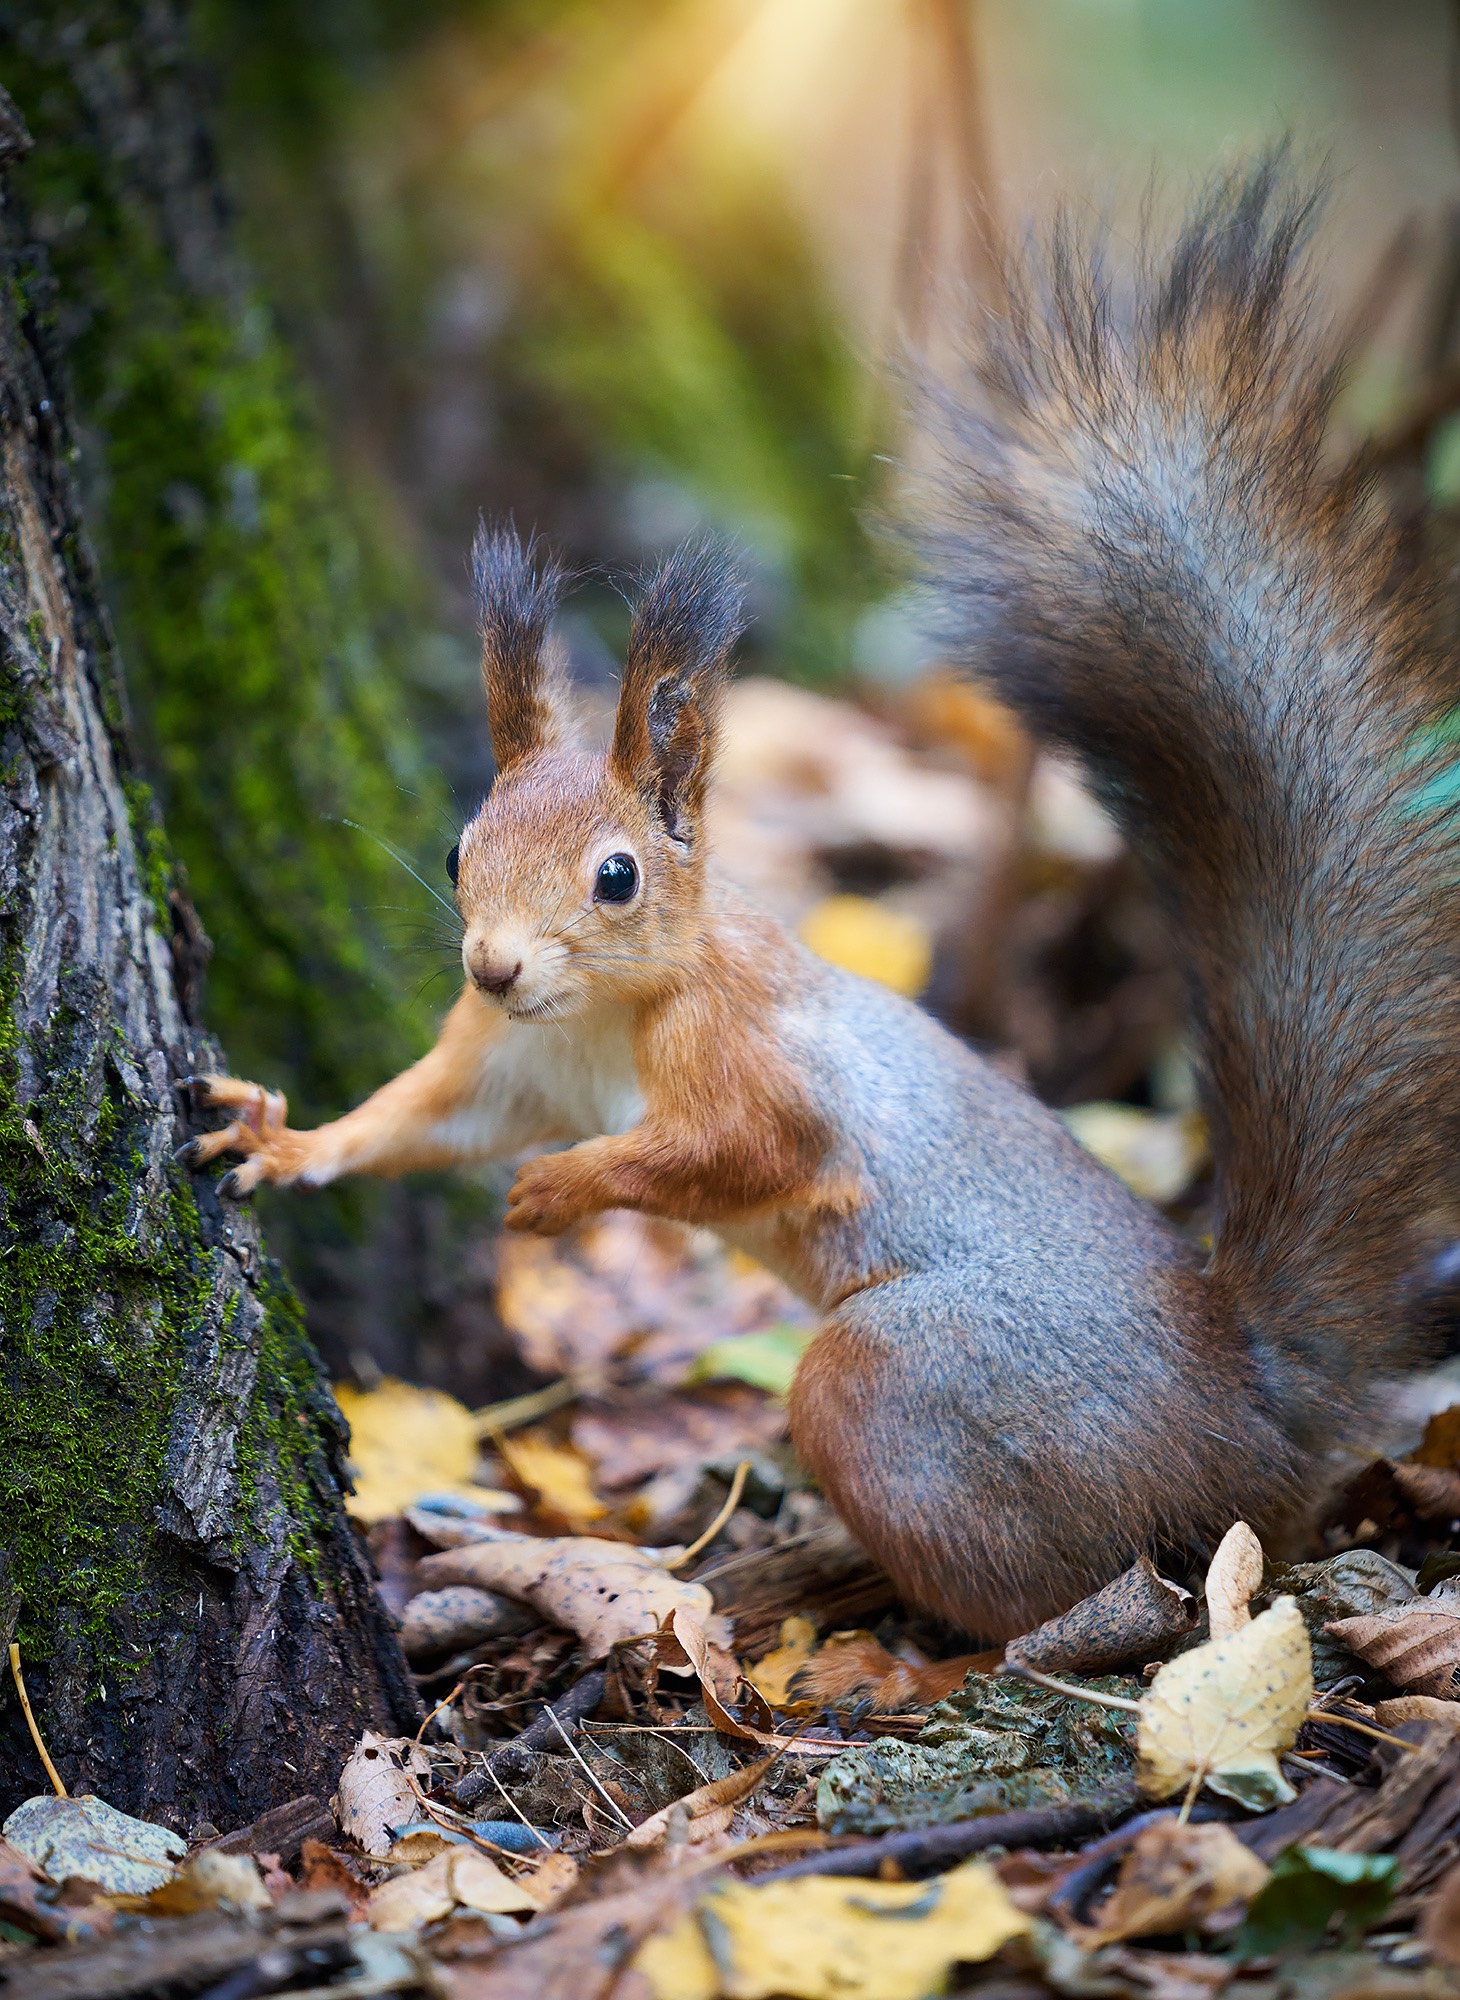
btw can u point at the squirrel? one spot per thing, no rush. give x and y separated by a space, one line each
1024 1378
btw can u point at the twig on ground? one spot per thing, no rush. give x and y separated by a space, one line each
541 1734
732 1501
926 1850
577 1755
519 1410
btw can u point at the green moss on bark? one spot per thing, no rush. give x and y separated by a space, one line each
269 649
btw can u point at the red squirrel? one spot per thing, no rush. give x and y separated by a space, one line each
1024 1378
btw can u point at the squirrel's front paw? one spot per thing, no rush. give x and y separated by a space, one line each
543 1198
271 1152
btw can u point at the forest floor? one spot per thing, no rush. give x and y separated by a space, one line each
680 1739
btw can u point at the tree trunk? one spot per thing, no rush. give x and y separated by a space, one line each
201 1634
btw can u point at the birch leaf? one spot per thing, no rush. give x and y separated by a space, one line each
1221 1713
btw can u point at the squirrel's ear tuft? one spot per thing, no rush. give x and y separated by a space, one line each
529 702
664 734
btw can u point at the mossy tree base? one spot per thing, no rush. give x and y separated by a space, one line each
201 1632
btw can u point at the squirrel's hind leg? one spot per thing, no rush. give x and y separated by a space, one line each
1000 1468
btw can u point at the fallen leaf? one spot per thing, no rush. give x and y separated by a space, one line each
324 1867
1177 1877
209 1881
1432 1490
1440 1445
561 1478
553 1877
1416 1646
458 1877
582 1954
28 1900
606 1592
871 939
1418 1708
625 1281
831 1938
1234 1575
86 1837
765 1360
1136 1618
707 1809
1221 1713
1308 1887
375 1795
684 1646
406 1442
632 1442
1156 1153
772 1675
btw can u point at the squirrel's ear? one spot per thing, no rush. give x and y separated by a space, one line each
664 733
529 702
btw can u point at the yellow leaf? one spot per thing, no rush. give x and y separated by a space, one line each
772 1675
1156 1153
406 1443
460 1875
832 1938
1224 1710
1175 1877
561 1477
869 938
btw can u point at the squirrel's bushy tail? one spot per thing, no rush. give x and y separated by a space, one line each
1138 545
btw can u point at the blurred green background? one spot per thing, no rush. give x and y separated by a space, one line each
336 274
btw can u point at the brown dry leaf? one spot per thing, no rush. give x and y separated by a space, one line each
684 1428
1440 1445
1235 1574
1416 1646
375 1794
458 1877
406 1442
1136 1618
582 1954
708 1809
1177 1877
1223 1711
211 1880
684 1646
1418 1708
832 1938
606 1592
552 1878
561 1478
1432 1490
773 1674
626 1281
324 1867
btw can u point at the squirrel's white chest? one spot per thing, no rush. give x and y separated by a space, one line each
583 1072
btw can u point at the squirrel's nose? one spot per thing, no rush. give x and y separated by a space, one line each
492 976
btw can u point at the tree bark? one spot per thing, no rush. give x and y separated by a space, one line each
200 1629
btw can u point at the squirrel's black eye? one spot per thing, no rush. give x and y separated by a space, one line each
617 879
451 860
